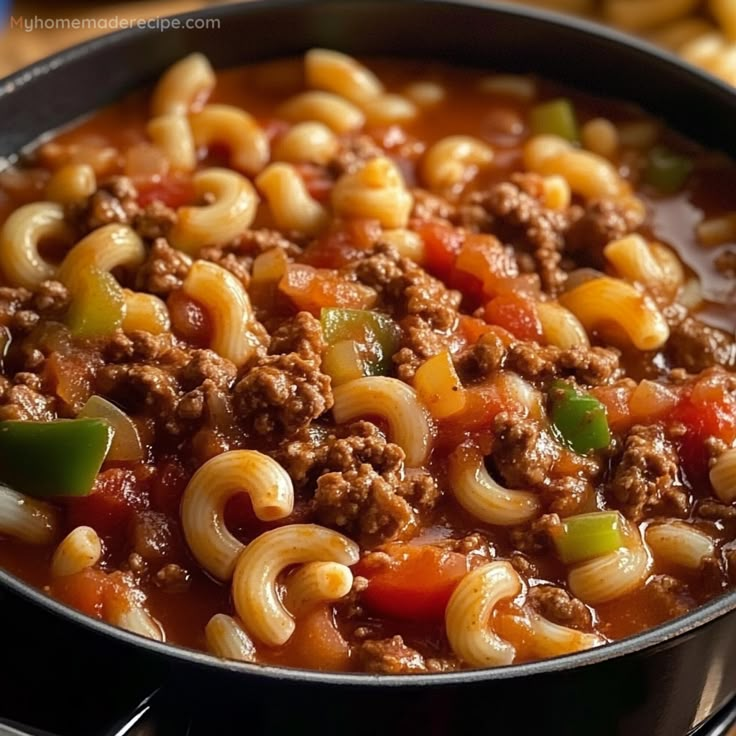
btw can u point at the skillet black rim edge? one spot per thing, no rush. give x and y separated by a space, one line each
664 635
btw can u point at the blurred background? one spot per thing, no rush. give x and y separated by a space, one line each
702 31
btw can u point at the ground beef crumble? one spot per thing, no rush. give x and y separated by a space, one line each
393 657
695 346
646 476
560 607
425 308
164 269
285 392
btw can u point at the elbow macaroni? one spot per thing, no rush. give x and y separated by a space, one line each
679 544
468 615
232 212
309 142
172 134
80 549
183 85
290 203
22 233
453 161
394 401
607 300
723 476
337 114
248 144
481 496
316 582
375 191
256 574
203 504
226 639
342 75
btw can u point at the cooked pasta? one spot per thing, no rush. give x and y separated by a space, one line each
588 174
219 479
641 15
425 94
480 495
561 327
650 264
173 135
468 615
389 110
108 247
225 124
679 544
374 191
549 639
717 230
393 401
264 559
316 582
510 85
80 549
600 136
71 184
231 212
336 113
228 305
185 85
610 576
133 617
723 476
309 142
227 640
21 235
725 13
557 194
145 312
607 300
407 243
289 201
26 518
341 74
454 160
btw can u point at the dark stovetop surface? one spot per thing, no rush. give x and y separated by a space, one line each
54 684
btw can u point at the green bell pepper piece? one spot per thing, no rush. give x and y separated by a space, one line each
666 170
58 458
587 536
556 117
580 419
377 333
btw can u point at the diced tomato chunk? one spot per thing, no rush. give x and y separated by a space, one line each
311 289
515 314
442 243
616 399
485 259
317 643
189 320
344 242
173 191
708 410
110 506
416 585
84 591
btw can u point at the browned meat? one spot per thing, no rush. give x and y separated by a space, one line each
592 366
695 346
560 607
282 393
430 207
51 299
362 486
671 596
599 224
164 269
115 201
426 309
354 150
20 401
393 657
519 217
645 478
172 578
716 510
301 335
154 221
538 536
523 452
